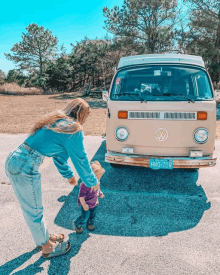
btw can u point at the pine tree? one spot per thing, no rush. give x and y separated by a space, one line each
37 48
148 24
203 38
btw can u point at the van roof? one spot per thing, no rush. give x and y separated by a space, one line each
161 58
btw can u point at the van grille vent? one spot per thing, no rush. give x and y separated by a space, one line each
162 115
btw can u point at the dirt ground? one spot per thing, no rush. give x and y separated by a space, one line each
19 113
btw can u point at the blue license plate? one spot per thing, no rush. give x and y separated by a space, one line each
161 164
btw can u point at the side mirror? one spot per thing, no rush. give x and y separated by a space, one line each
105 95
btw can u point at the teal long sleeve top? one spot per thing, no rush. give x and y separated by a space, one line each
60 147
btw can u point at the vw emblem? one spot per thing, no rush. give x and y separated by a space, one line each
161 134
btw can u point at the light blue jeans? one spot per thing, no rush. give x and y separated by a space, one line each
21 168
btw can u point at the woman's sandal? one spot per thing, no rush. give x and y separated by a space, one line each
54 238
60 249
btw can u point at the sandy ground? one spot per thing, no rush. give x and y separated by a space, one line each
19 113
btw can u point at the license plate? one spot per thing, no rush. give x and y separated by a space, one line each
161 163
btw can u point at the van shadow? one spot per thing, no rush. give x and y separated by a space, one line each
141 202
138 202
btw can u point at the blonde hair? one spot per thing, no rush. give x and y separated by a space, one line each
97 169
75 114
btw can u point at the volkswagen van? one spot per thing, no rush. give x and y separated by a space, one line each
161 113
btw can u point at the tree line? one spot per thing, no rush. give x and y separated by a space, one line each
137 27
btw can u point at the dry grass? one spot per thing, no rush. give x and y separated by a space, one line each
217 132
15 89
19 113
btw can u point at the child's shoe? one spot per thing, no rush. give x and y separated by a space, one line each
79 230
90 224
91 227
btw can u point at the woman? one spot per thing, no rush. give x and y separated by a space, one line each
58 135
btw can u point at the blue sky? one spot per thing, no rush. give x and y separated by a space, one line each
69 20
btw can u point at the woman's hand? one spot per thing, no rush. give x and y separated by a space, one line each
73 181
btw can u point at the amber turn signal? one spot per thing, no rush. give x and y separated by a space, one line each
202 116
123 114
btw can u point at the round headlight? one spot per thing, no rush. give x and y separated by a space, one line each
201 135
121 133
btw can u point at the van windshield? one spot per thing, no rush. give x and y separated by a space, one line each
161 83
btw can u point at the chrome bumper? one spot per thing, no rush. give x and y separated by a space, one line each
143 161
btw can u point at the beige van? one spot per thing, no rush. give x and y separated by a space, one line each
161 113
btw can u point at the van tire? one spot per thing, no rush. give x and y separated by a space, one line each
192 169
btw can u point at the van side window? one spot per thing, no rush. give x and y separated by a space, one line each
202 85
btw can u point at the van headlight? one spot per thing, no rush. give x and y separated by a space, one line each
121 133
201 135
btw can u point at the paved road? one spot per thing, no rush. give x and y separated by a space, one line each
150 222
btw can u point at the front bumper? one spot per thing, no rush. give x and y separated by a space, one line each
143 161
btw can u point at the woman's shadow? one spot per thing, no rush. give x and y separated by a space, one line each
58 265
139 202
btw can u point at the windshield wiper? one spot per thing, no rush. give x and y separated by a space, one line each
173 94
132 96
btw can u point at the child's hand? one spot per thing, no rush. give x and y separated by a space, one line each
85 207
102 196
96 187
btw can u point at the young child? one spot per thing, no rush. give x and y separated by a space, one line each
88 200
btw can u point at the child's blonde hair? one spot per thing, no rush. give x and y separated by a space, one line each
97 169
